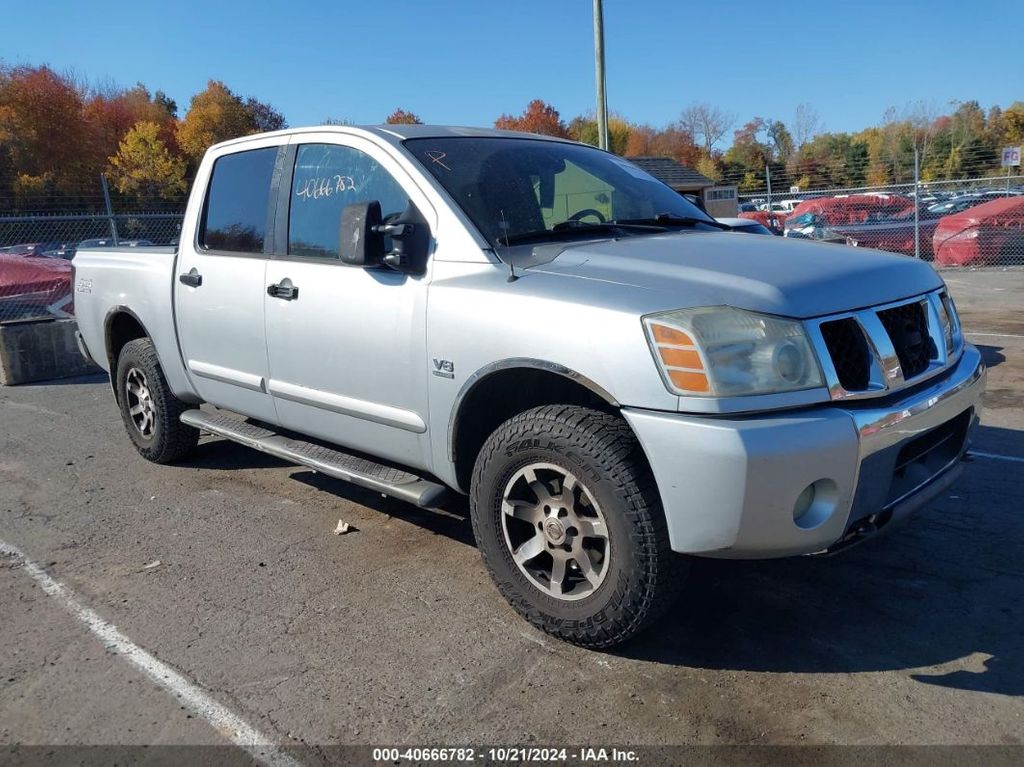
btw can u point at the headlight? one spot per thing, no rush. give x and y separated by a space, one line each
950 323
718 351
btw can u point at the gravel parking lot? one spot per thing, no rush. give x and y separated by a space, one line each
226 569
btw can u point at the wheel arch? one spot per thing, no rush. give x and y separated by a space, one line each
120 326
502 389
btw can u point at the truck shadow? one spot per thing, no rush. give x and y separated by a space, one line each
942 595
992 355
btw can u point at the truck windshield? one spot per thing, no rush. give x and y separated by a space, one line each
519 190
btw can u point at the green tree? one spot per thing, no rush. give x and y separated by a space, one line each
781 141
583 128
144 167
263 116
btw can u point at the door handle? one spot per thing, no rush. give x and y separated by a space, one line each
283 289
193 278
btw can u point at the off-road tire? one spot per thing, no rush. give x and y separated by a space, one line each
645 575
170 438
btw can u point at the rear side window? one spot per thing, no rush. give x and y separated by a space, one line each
235 214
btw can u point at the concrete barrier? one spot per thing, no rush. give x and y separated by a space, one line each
38 350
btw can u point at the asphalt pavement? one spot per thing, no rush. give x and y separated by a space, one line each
224 575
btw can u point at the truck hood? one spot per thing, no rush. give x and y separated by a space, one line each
775 275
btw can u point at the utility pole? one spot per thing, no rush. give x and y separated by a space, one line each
917 202
602 98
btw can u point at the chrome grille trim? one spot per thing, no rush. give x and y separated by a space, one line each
886 373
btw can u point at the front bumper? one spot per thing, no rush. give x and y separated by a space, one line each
730 486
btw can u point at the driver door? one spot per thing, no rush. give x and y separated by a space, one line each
346 345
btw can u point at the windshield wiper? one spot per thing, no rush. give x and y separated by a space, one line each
667 219
569 229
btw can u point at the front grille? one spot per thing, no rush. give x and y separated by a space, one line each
849 352
907 327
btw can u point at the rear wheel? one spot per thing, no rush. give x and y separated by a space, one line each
568 521
151 413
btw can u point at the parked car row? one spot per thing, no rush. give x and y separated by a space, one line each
976 228
65 250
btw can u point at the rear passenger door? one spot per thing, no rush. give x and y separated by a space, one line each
221 283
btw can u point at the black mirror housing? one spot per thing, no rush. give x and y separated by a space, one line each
360 242
410 241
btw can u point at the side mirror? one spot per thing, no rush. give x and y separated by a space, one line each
360 242
410 241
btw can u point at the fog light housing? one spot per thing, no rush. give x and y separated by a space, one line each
815 504
803 503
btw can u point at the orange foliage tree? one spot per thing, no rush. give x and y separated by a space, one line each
538 117
402 117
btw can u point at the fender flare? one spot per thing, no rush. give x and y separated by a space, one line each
517 362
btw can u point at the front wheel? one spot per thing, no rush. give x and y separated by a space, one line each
149 409
569 523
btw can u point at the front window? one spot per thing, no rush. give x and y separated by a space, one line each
327 178
518 190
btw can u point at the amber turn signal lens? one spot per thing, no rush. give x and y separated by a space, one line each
689 381
680 358
667 335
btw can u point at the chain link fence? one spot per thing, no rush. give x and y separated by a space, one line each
39 237
972 221
951 223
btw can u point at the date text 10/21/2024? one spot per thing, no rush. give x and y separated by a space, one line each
505 754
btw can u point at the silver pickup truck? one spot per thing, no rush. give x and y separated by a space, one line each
613 379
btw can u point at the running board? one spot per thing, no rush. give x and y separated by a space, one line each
389 480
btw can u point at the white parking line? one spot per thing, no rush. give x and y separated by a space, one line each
997 457
993 335
260 747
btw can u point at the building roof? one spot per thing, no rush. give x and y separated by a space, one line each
670 172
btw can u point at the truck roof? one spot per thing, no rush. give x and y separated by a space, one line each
394 134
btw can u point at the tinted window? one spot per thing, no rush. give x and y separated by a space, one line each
327 178
235 218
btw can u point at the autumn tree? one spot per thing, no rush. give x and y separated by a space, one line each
402 117
646 141
1011 124
41 130
144 167
109 114
215 114
538 117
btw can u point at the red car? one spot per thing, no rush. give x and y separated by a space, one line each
985 234
772 220
853 208
27 282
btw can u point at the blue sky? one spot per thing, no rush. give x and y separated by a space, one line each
465 62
